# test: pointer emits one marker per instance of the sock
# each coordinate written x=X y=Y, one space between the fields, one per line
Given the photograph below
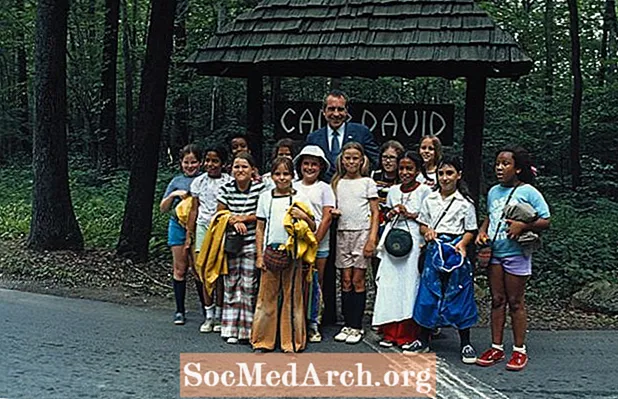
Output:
x=180 y=288
x=464 y=337
x=218 y=312
x=499 y=347
x=520 y=350
x=360 y=298
x=199 y=287
x=345 y=307
x=209 y=311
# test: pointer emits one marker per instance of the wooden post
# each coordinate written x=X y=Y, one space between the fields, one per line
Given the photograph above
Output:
x=255 y=95
x=473 y=133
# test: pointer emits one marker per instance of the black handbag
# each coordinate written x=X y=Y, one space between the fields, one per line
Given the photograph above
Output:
x=398 y=242
x=234 y=242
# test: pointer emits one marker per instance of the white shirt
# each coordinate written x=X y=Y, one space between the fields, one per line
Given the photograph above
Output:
x=461 y=216
x=272 y=211
x=319 y=195
x=206 y=188
x=329 y=136
x=353 y=200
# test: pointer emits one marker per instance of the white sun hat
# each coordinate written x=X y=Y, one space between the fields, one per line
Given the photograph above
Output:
x=314 y=151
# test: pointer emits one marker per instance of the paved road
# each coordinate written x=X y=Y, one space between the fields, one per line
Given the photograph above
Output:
x=68 y=348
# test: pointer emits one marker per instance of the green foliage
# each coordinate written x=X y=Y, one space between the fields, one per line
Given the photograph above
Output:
x=99 y=206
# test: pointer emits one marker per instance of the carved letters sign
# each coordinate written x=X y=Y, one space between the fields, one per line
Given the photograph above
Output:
x=403 y=122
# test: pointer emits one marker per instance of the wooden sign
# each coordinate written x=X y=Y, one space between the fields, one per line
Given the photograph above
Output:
x=403 y=122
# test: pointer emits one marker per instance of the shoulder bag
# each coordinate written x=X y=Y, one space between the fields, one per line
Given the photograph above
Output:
x=398 y=242
x=484 y=252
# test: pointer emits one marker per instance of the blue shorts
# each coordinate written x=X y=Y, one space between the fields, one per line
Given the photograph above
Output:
x=517 y=265
x=176 y=234
x=322 y=254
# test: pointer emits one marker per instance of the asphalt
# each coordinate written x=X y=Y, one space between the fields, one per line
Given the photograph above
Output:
x=55 y=347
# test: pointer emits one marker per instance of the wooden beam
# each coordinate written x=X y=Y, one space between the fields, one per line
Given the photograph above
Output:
x=473 y=133
x=255 y=103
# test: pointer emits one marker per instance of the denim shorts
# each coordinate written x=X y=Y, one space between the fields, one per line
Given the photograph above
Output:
x=322 y=254
x=176 y=234
x=517 y=265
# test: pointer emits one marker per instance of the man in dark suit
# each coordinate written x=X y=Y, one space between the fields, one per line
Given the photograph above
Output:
x=338 y=131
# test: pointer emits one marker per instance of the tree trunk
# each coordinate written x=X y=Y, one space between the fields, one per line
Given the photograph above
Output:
x=129 y=68
x=22 y=86
x=180 y=129
x=608 y=41
x=53 y=224
x=577 y=94
x=108 y=157
x=221 y=8
x=549 y=50
x=137 y=223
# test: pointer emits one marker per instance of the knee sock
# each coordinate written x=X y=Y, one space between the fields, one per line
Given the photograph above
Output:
x=199 y=287
x=345 y=307
x=180 y=288
x=359 y=309
x=464 y=337
x=218 y=312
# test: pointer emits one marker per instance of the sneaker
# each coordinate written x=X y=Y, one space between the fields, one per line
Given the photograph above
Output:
x=416 y=347
x=517 y=362
x=314 y=336
x=386 y=344
x=179 y=319
x=217 y=326
x=468 y=354
x=490 y=357
x=207 y=326
x=232 y=340
x=343 y=334
x=355 y=336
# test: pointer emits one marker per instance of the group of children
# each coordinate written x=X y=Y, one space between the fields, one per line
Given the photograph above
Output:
x=292 y=209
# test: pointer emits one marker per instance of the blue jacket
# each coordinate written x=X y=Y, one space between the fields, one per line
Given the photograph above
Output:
x=451 y=303
x=353 y=132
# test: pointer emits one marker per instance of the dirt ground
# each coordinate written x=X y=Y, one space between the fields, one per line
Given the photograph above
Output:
x=101 y=275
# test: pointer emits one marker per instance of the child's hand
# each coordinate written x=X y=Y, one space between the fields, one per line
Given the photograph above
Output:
x=412 y=215
x=430 y=235
x=241 y=228
x=515 y=228
x=461 y=248
x=369 y=249
x=235 y=219
x=188 y=240
x=259 y=263
x=335 y=212
x=481 y=238
x=298 y=214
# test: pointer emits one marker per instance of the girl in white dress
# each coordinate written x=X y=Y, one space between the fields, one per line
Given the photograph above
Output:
x=398 y=278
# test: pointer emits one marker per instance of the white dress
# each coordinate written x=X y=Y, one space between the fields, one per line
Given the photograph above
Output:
x=398 y=278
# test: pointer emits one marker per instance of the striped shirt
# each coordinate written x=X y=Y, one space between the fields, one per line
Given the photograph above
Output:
x=241 y=202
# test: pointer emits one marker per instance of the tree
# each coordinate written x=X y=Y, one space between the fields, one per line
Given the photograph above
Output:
x=576 y=104
x=137 y=223
x=108 y=158
x=180 y=130
x=53 y=225
x=608 y=40
x=128 y=44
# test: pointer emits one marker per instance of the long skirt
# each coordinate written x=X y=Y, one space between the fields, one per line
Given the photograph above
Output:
x=289 y=321
x=239 y=292
x=401 y=332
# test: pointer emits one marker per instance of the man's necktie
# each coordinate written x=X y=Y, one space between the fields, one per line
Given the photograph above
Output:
x=335 y=148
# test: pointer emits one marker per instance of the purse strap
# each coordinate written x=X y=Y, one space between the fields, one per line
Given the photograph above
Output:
x=503 y=211
x=443 y=214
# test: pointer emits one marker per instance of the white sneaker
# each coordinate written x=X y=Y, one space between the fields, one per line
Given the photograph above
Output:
x=232 y=340
x=355 y=336
x=217 y=326
x=386 y=344
x=207 y=326
x=342 y=336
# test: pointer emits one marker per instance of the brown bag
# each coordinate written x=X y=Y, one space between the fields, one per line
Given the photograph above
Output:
x=276 y=260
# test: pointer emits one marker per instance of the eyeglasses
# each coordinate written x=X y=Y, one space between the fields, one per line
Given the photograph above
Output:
x=333 y=109
x=389 y=158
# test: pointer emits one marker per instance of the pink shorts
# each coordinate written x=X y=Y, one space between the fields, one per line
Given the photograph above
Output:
x=350 y=244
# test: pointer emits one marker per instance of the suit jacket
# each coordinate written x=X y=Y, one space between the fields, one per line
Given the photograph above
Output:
x=353 y=132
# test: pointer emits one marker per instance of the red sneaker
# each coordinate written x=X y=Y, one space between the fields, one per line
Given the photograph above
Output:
x=518 y=361
x=490 y=357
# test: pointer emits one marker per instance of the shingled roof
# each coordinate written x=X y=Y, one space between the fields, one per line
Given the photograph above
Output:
x=449 y=38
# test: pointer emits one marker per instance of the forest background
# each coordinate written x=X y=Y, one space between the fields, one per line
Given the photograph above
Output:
x=565 y=112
